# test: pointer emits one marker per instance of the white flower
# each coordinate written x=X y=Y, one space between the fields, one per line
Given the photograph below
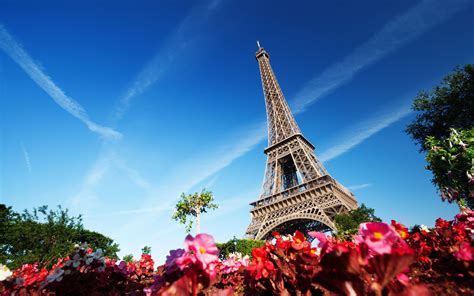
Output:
x=424 y=228
x=4 y=272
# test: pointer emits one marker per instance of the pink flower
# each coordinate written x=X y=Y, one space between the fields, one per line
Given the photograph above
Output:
x=200 y=251
x=379 y=237
x=147 y=291
x=321 y=237
x=234 y=262
x=465 y=252
x=403 y=279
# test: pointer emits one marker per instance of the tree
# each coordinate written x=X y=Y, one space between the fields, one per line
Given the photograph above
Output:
x=242 y=246
x=348 y=224
x=452 y=163
x=45 y=235
x=449 y=105
x=193 y=205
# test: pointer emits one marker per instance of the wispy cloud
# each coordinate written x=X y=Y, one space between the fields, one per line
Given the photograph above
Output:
x=362 y=132
x=108 y=161
x=86 y=199
x=13 y=49
x=393 y=35
x=201 y=167
x=161 y=61
x=148 y=210
x=26 y=156
x=360 y=186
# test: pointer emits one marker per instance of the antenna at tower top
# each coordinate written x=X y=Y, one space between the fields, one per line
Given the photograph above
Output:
x=258 y=44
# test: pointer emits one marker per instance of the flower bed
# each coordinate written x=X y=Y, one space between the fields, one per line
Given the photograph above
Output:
x=382 y=259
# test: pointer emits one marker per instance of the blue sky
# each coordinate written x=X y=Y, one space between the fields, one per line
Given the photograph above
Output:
x=114 y=109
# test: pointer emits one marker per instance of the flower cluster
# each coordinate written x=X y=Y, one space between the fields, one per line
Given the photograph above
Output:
x=233 y=263
x=382 y=259
x=190 y=269
x=29 y=275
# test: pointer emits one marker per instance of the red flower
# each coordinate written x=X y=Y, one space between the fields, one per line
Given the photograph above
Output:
x=299 y=241
x=401 y=229
x=443 y=224
x=260 y=266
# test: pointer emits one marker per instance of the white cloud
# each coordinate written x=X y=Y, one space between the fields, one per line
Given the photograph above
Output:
x=26 y=156
x=161 y=61
x=359 y=186
x=13 y=49
x=362 y=132
x=86 y=199
x=393 y=35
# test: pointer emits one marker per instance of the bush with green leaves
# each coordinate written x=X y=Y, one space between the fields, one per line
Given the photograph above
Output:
x=44 y=235
x=243 y=246
x=348 y=224
x=451 y=161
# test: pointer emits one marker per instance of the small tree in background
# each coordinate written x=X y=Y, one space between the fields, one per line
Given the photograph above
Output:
x=452 y=162
x=449 y=105
x=348 y=224
x=193 y=205
x=242 y=246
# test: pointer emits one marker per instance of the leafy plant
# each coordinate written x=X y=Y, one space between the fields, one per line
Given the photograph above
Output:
x=128 y=258
x=44 y=235
x=449 y=105
x=193 y=205
x=146 y=250
x=348 y=224
x=242 y=246
x=451 y=161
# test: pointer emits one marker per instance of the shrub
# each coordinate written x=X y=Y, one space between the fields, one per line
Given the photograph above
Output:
x=242 y=246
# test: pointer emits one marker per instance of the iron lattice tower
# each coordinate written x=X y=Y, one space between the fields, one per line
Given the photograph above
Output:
x=297 y=193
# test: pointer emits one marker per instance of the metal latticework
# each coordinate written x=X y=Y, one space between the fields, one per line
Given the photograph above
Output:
x=297 y=192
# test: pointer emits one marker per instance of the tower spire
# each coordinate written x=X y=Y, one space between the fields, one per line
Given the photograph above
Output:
x=281 y=123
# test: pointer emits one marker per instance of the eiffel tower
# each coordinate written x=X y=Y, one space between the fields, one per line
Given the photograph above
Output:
x=298 y=193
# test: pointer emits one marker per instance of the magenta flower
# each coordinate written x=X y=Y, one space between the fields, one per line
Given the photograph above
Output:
x=203 y=247
x=200 y=251
x=379 y=237
x=321 y=237
x=465 y=252
x=171 y=264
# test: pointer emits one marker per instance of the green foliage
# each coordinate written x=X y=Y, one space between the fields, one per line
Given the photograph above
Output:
x=128 y=258
x=146 y=250
x=44 y=235
x=193 y=205
x=243 y=246
x=348 y=224
x=451 y=161
x=449 y=105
